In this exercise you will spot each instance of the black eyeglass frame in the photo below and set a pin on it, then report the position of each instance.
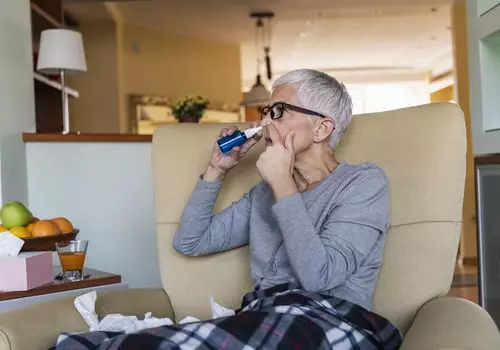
(270, 109)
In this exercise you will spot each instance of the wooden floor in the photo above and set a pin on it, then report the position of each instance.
(465, 283)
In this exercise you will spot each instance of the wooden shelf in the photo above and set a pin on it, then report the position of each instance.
(47, 14)
(55, 84)
(97, 278)
(54, 23)
(487, 159)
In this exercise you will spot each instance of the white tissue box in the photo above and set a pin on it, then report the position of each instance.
(25, 271)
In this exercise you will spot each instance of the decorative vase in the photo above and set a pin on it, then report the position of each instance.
(189, 119)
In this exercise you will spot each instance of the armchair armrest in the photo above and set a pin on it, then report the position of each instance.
(452, 323)
(37, 326)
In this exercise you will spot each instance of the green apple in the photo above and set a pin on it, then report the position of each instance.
(15, 214)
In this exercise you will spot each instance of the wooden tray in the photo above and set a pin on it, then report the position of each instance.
(48, 243)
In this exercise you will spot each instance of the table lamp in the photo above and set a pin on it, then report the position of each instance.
(61, 52)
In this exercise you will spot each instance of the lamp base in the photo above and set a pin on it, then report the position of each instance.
(65, 107)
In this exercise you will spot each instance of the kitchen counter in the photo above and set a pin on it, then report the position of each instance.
(74, 137)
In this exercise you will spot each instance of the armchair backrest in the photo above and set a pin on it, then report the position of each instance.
(423, 152)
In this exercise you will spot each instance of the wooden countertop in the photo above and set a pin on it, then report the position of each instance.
(487, 159)
(73, 137)
(97, 278)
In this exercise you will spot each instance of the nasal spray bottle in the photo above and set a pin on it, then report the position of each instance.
(237, 138)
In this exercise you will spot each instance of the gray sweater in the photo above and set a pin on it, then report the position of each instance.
(330, 239)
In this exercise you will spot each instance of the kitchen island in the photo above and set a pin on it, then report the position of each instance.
(103, 184)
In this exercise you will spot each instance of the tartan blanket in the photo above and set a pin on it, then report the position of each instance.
(282, 317)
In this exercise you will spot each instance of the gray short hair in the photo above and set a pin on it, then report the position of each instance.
(321, 93)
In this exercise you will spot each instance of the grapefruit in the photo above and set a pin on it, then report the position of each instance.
(20, 232)
(44, 228)
(63, 224)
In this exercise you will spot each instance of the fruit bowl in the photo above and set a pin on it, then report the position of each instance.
(47, 243)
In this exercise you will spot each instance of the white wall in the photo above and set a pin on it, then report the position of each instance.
(16, 97)
(106, 190)
(484, 76)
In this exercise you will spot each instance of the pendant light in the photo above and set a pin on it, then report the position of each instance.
(259, 95)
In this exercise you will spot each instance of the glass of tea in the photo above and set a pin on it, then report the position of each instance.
(72, 257)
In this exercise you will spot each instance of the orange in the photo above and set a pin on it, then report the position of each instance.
(44, 228)
(35, 219)
(3, 228)
(63, 224)
(29, 228)
(20, 232)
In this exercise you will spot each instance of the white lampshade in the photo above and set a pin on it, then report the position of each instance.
(61, 49)
(257, 96)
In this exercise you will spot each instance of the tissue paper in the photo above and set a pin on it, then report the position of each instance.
(85, 305)
(219, 310)
(10, 245)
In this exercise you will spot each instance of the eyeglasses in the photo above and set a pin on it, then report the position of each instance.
(276, 110)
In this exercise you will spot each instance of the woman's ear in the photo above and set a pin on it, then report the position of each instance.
(323, 129)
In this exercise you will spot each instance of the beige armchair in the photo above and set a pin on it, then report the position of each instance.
(422, 150)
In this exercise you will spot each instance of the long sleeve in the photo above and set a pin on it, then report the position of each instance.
(200, 232)
(323, 258)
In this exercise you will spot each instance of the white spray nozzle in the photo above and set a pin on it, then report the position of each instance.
(252, 131)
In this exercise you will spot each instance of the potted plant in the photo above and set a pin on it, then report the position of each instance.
(189, 109)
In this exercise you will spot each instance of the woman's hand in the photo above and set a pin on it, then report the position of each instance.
(220, 163)
(276, 164)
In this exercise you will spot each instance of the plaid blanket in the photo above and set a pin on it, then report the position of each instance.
(281, 317)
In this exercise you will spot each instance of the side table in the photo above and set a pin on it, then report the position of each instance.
(98, 280)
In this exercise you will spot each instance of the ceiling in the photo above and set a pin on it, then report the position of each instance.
(338, 36)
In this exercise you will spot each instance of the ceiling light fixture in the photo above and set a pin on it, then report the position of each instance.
(259, 95)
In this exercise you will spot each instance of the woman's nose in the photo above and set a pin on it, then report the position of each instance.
(266, 121)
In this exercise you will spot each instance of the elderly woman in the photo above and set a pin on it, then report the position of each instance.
(313, 220)
(316, 229)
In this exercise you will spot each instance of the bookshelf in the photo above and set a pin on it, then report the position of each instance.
(43, 79)
(47, 14)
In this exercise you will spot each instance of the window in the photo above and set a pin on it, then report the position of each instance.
(378, 97)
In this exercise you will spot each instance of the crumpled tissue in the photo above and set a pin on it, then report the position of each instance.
(10, 245)
(85, 304)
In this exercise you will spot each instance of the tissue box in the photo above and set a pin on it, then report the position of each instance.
(25, 271)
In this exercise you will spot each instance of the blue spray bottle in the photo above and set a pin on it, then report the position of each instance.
(237, 138)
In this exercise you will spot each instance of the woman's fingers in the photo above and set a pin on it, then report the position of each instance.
(249, 144)
(227, 131)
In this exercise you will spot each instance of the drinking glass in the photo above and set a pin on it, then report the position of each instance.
(72, 257)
